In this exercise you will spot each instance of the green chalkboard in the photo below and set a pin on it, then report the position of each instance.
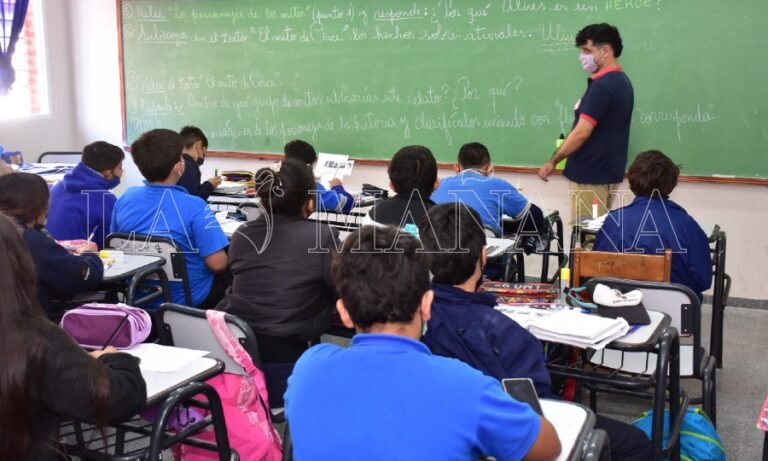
(365, 78)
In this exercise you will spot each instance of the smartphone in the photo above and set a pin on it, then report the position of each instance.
(523, 390)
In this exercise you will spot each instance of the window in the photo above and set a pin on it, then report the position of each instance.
(29, 93)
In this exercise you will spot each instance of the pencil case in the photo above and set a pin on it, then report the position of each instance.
(91, 325)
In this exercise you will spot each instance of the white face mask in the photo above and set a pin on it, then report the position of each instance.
(588, 62)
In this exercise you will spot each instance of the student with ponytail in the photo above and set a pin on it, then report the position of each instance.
(45, 377)
(281, 264)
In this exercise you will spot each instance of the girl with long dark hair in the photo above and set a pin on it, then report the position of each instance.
(44, 376)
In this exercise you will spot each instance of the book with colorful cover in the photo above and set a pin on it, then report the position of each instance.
(521, 293)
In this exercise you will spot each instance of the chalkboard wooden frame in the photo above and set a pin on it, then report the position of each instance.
(365, 161)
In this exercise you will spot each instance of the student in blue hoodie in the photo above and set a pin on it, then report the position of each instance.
(653, 223)
(82, 202)
(60, 274)
(337, 199)
(464, 324)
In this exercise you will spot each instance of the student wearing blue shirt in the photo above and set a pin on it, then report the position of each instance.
(653, 223)
(337, 199)
(195, 150)
(395, 399)
(597, 145)
(60, 274)
(163, 209)
(493, 198)
(82, 201)
(464, 324)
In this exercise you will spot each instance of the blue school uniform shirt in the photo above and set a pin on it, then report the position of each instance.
(336, 199)
(80, 202)
(170, 212)
(490, 197)
(651, 225)
(465, 326)
(397, 401)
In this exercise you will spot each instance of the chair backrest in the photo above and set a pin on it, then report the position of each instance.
(676, 300)
(188, 327)
(251, 210)
(175, 266)
(60, 157)
(632, 266)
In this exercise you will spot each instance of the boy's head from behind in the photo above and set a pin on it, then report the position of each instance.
(653, 173)
(104, 158)
(474, 156)
(413, 168)
(157, 154)
(301, 151)
(453, 234)
(382, 278)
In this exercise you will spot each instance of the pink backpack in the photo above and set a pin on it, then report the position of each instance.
(245, 402)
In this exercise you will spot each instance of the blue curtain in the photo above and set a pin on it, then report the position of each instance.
(9, 35)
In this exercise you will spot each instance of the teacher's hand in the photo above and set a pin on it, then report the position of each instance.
(546, 170)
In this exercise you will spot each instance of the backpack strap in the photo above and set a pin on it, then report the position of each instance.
(236, 352)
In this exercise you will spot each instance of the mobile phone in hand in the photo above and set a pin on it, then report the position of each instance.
(523, 390)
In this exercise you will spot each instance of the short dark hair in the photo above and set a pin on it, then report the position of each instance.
(156, 152)
(192, 134)
(474, 155)
(381, 276)
(100, 156)
(300, 150)
(601, 34)
(653, 171)
(287, 190)
(453, 234)
(413, 168)
(23, 196)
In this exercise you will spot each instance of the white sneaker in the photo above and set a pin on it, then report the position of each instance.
(606, 296)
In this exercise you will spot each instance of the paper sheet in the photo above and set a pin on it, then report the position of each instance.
(166, 359)
(331, 166)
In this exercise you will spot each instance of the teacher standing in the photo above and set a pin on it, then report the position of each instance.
(597, 145)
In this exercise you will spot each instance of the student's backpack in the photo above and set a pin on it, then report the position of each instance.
(699, 440)
(245, 402)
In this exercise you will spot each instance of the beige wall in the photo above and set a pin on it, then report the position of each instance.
(93, 73)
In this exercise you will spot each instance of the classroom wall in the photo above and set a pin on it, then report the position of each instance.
(93, 45)
(56, 131)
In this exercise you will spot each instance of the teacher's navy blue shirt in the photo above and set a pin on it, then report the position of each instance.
(607, 104)
(388, 398)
